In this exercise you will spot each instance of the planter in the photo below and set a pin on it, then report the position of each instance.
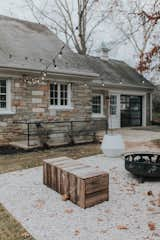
(143, 164)
(113, 145)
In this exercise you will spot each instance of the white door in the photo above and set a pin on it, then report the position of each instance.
(114, 111)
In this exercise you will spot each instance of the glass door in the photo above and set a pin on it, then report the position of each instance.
(131, 111)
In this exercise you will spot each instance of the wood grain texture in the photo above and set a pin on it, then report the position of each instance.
(84, 185)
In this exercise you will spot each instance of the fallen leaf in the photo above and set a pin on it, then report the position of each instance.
(136, 205)
(39, 204)
(108, 211)
(158, 201)
(151, 209)
(77, 232)
(65, 197)
(150, 193)
(153, 203)
(100, 220)
(25, 235)
(69, 211)
(151, 226)
(122, 227)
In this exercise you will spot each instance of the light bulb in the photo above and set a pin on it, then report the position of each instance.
(44, 74)
(60, 54)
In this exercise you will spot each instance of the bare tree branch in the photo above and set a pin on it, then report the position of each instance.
(65, 16)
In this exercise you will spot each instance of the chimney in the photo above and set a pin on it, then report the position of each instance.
(104, 52)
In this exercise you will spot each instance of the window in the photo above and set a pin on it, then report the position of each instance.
(97, 104)
(60, 95)
(113, 105)
(5, 96)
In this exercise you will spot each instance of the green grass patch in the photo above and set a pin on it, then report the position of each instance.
(10, 229)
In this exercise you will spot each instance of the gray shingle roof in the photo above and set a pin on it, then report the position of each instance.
(33, 41)
(27, 42)
(114, 71)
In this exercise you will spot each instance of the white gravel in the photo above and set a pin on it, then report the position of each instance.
(47, 217)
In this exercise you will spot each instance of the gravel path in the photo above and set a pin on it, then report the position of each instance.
(125, 217)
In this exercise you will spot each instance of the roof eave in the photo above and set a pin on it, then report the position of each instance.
(57, 72)
(124, 86)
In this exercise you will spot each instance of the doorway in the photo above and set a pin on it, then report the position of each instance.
(131, 110)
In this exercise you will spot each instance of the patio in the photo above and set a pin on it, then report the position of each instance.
(131, 213)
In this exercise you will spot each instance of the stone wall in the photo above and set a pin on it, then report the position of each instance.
(32, 103)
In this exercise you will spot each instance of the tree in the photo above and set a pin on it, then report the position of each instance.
(148, 58)
(139, 22)
(76, 20)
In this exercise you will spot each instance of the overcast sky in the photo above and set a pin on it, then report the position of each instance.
(15, 8)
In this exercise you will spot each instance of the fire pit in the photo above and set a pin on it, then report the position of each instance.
(143, 164)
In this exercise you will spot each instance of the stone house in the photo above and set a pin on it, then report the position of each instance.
(75, 88)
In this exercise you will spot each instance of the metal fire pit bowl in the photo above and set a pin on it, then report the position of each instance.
(143, 164)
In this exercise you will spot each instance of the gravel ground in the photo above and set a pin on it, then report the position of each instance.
(132, 213)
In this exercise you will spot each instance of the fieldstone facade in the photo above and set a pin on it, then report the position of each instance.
(32, 103)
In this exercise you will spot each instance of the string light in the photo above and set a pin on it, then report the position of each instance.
(44, 74)
(60, 54)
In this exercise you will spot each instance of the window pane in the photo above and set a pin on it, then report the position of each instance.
(54, 94)
(96, 104)
(3, 94)
(63, 94)
(113, 105)
(59, 94)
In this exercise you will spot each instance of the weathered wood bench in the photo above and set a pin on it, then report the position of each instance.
(84, 185)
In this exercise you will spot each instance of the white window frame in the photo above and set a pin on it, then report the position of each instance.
(113, 105)
(59, 106)
(136, 93)
(101, 114)
(7, 110)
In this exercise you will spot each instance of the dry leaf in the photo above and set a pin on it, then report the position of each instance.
(150, 193)
(77, 232)
(100, 220)
(69, 211)
(158, 201)
(151, 226)
(122, 227)
(151, 209)
(65, 197)
(153, 203)
(39, 204)
(136, 205)
(25, 235)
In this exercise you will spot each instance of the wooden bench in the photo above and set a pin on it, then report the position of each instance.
(84, 185)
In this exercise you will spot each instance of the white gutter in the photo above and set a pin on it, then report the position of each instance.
(56, 72)
(121, 86)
